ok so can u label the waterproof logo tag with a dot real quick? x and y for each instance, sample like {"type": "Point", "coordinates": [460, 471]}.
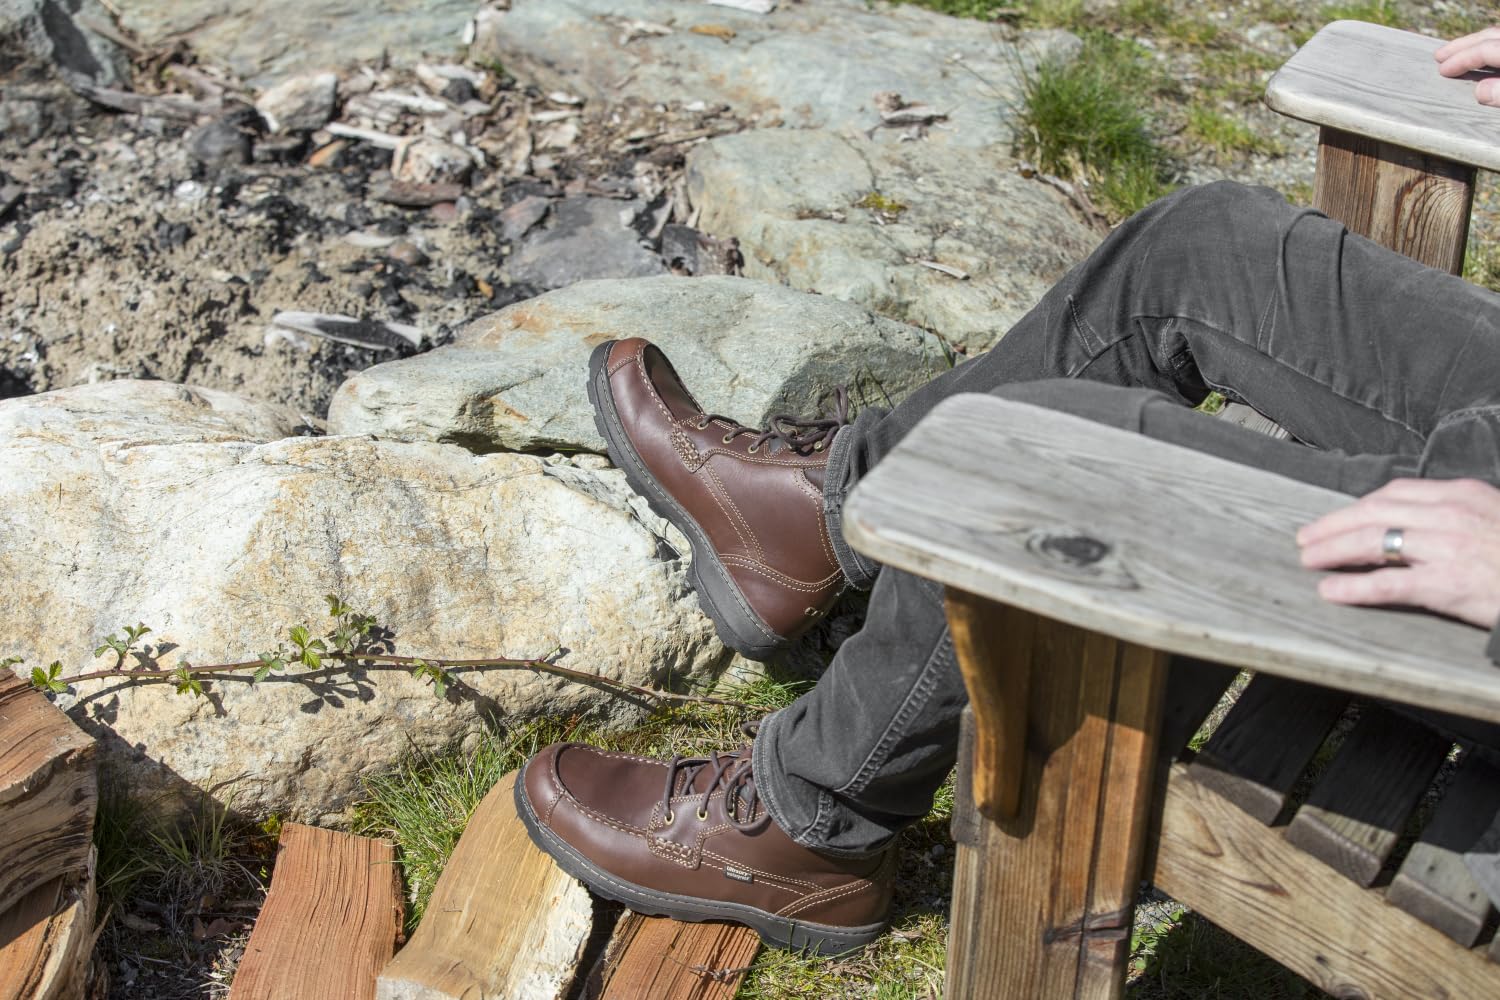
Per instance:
{"type": "Point", "coordinates": [738, 874]}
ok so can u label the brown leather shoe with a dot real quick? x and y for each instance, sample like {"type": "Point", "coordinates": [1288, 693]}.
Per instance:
{"type": "Point", "coordinates": [689, 839]}
{"type": "Point", "coordinates": [749, 501]}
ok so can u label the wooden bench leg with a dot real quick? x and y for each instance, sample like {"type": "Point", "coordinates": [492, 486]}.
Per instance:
{"type": "Point", "coordinates": [1408, 201]}
{"type": "Point", "coordinates": [1042, 898]}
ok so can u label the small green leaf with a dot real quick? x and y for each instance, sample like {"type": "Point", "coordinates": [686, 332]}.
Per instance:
{"type": "Point", "coordinates": [439, 682]}
{"type": "Point", "coordinates": [318, 644]}
{"type": "Point", "coordinates": [186, 683]}
{"type": "Point", "coordinates": [300, 636]}
{"type": "Point", "coordinates": [261, 673]}
{"type": "Point", "coordinates": [11, 661]}
{"type": "Point", "coordinates": [136, 631]}
{"type": "Point", "coordinates": [39, 679]}
{"type": "Point", "coordinates": [101, 650]}
{"type": "Point", "coordinates": [311, 660]}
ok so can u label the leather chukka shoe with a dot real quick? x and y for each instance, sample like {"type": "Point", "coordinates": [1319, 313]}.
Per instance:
{"type": "Point", "coordinates": [749, 501]}
{"type": "Point", "coordinates": [689, 839]}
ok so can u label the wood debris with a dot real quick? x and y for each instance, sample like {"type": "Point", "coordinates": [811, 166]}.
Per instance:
{"type": "Point", "coordinates": [947, 269]}
{"type": "Point", "coordinates": [720, 31]}
{"type": "Point", "coordinates": [753, 6]}
{"type": "Point", "coordinates": [374, 334]}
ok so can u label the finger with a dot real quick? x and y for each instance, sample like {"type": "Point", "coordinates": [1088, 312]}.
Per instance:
{"type": "Point", "coordinates": [1477, 56]}
{"type": "Point", "coordinates": [1399, 585]}
{"type": "Point", "coordinates": [1467, 40]}
{"type": "Point", "coordinates": [1382, 512]}
{"type": "Point", "coordinates": [1365, 546]}
{"type": "Point", "coordinates": [1488, 92]}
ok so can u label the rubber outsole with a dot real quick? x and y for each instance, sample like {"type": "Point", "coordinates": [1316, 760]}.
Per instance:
{"type": "Point", "coordinates": [739, 627]}
{"type": "Point", "coordinates": [777, 931]}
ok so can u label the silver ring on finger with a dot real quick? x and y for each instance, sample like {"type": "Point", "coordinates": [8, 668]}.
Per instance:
{"type": "Point", "coordinates": [1391, 547]}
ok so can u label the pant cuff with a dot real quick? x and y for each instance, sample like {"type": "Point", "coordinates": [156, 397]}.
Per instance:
{"type": "Point", "coordinates": [840, 479]}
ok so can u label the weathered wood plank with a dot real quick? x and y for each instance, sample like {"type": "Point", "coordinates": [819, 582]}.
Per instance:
{"type": "Point", "coordinates": [997, 695]}
{"type": "Point", "coordinates": [1414, 203]}
{"type": "Point", "coordinates": [1265, 743]}
{"type": "Point", "coordinates": [1395, 96]}
{"type": "Point", "coordinates": [1434, 885]}
{"type": "Point", "coordinates": [46, 940]}
{"type": "Point", "coordinates": [1246, 878]}
{"type": "Point", "coordinates": [1042, 900]}
{"type": "Point", "coordinates": [329, 923]}
{"type": "Point", "coordinates": [48, 792]}
{"type": "Point", "coordinates": [653, 958]}
{"type": "Point", "coordinates": [1021, 522]}
{"type": "Point", "coordinates": [504, 920]}
{"type": "Point", "coordinates": [1356, 812]}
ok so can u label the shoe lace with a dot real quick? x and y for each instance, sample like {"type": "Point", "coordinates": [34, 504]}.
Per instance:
{"type": "Point", "coordinates": [791, 432]}
{"type": "Point", "coordinates": [733, 772]}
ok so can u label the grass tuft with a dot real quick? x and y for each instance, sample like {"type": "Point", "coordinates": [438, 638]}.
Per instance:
{"type": "Point", "coordinates": [1079, 121]}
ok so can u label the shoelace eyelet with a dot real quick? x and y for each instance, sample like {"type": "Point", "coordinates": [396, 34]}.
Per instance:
{"type": "Point", "coordinates": [669, 817]}
{"type": "Point", "coordinates": [702, 815]}
{"type": "Point", "coordinates": [818, 446]}
{"type": "Point", "coordinates": [752, 449]}
{"type": "Point", "coordinates": [727, 439]}
{"type": "Point", "coordinates": [702, 425]}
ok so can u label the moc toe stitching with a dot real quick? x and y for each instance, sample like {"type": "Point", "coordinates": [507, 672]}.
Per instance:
{"type": "Point", "coordinates": [776, 576]}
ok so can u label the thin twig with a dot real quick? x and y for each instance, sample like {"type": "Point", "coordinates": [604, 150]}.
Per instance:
{"type": "Point", "coordinates": [536, 664]}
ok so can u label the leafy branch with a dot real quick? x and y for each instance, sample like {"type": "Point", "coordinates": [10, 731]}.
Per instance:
{"type": "Point", "coordinates": [354, 640]}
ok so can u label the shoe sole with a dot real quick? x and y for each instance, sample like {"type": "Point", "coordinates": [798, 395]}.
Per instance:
{"type": "Point", "coordinates": [776, 931]}
{"type": "Point", "coordinates": [739, 627]}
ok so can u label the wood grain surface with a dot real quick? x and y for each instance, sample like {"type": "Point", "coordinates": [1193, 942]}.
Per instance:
{"type": "Point", "coordinates": [330, 920]}
{"type": "Point", "coordinates": [1347, 940]}
{"type": "Point", "coordinates": [1042, 899]}
{"type": "Point", "coordinates": [1434, 884]}
{"type": "Point", "coordinates": [654, 958]}
{"type": "Point", "coordinates": [503, 921]}
{"type": "Point", "coordinates": [48, 792]}
{"type": "Point", "coordinates": [1186, 552]}
{"type": "Point", "coordinates": [1359, 807]}
{"type": "Point", "coordinates": [997, 687]}
{"type": "Point", "coordinates": [1383, 83]}
{"type": "Point", "coordinates": [46, 941]}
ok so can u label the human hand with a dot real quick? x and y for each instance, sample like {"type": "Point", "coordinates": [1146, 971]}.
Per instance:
{"type": "Point", "coordinates": [1481, 50]}
{"type": "Point", "coordinates": [1450, 550]}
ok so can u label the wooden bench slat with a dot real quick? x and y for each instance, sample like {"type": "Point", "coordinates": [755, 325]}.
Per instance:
{"type": "Point", "coordinates": [1023, 525]}
{"type": "Point", "coordinates": [1245, 877]}
{"type": "Point", "coordinates": [1433, 883]}
{"type": "Point", "coordinates": [48, 792]}
{"type": "Point", "coordinates": [46, 939]}
{"type": "Point", "coordinates": [1265, 743]}
{"type": "Point", "coordinates": [504, 920]}
{"type": "Point", "coordinates": [330, 920]}
{"type": "Point", "coordinates": [1396, 96]}
{"type": "Point", "coordinates": [1359, 807]}
{"type": "Point", "coordinates": [668, 960]}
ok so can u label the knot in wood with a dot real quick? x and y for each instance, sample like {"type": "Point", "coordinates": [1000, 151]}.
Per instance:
{"type": "Point", "coordinates": [1070, 549]}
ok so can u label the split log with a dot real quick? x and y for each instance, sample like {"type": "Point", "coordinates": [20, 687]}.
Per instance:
{"type": "Point", "coordinates": [48, 792]}
{"type": "Point", "coordinates": [668, 960]}
{"type": "Point", "coordinates": [46, 941]}
{"type": "Point", "coordinates": [504, 920]}
{"type": "Point", "coordinates": [330, 921]}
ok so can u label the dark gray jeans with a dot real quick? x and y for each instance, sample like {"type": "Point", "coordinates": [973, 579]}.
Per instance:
{"type": "Point", "coordinates": [1386, 367]}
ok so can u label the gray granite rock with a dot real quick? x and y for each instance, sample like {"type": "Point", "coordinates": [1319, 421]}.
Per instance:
{"type": "Point", "coordinates": [58, 33]}
{"type": "Point", "coordinates": [265, 41]}
{"type": "Point", "coordinates": [747, 349]}
{"type": "Point", "coordinates": [849, 217]}
{"type": "Point", "coordinates": [188, 510]}
{"type": "Point", "coordinates": [812, 63]}
{"type": "Point", "coordinates": [587, 238]}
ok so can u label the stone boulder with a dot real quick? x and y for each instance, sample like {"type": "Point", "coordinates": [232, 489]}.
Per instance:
{"type": "Point", "coordinates": [516, 380]}
{"type": "Point", "coordinates": [266, 40]}
{"type": "Point", "coordinates": [810, 63]}
{"type": "Point", "coordinates": [587, 239]}
{"type": "Point", "coordinates": [57, 33]}
{"type": "Point", "coordinates": [853, 218]}
{"type": "Point", "coordinates": [185, 513]}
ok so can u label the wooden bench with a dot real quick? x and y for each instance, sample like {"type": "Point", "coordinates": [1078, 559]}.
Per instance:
{"type": "Point", "coordinates": [1075, 776]}
{"type": "Point", "coordinates": [1075, 780]}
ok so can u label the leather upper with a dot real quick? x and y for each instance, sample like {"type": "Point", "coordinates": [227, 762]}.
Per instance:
{"type": "Point", "coordinates": [760, 506]}
{"type": "Point", "coordinates": [608, 807]}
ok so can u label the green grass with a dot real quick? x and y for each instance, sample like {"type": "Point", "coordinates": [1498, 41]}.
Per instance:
{"type": "Point", "coordinates": [1226, 135]}
{"type": "Point", "coordinates": [1375, 11]}
{"type": "Point", "coordinates": [1079, 120]}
